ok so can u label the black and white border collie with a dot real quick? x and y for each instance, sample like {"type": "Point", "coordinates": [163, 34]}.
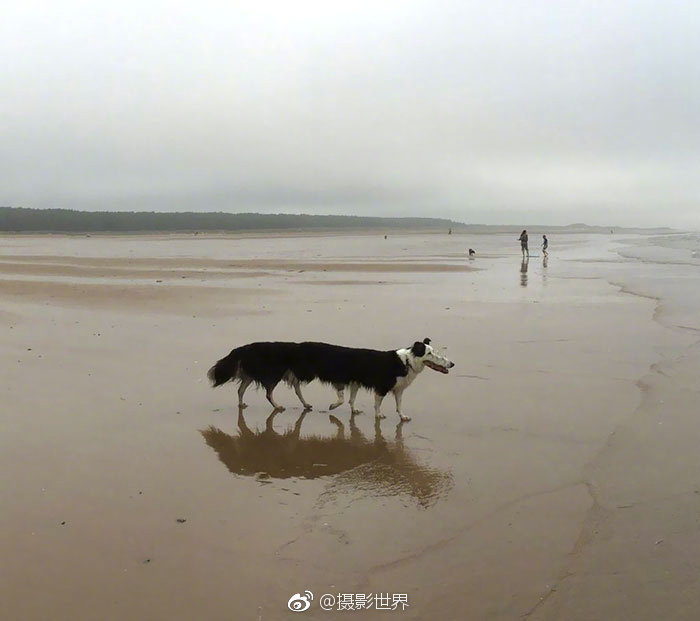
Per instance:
{"type": "Point", "coordinates": [267, 364]}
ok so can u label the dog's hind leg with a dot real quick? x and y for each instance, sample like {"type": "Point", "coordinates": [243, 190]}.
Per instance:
{"type": "Point", "coordinates": [270, 398]}
{"type": "Point", "coordinates": [353, 393]}
{"type": "Point", "coordinates": [245, 382]}
{"type": "Point", "coordinates": [377, 405]}
{"type": "Point", "coordinates": [341, 397]}
{"type": "Point", "coordinates": [297, 389]}
{"type": "Point", "coordinates": [397, 396]}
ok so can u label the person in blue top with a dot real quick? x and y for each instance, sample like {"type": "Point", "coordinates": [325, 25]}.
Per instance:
{"type": "Point", "coordinates": [545, 245]}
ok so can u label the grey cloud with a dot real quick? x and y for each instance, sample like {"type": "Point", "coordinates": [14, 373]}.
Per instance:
{"type": "Point", "coordinates": [479, 111]}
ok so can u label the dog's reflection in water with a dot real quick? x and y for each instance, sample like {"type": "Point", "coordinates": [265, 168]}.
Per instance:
{"type": "Point", "coordinates": [376, 467]}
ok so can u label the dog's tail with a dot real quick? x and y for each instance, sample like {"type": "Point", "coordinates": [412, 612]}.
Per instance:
{"type": "Point", "coordinates": [224, 370]}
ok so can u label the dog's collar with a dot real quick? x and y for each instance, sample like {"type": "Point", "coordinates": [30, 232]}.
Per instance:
{"type": "Point", "coordinates": [407, 362]}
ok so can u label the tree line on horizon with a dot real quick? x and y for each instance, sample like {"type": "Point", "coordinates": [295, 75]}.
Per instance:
{"type": "Point", "coordinates": [29, 220]}
{"type": "Point", "coordinates": [23, 219]}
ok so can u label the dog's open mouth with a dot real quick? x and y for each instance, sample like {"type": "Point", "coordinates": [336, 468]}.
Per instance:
{"type": "Point", "coordinates": [436, 367]}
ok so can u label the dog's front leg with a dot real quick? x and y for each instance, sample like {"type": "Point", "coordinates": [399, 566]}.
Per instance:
{"type": "Point", "coordinates": [339, 400]}
{"type": "Point", "coordinates": [353, 393]}
{"type": "Point", "coordinates": [297, 389]}
{"type": "Point", "coordinates": [271, 399]}
{"type": "Point", "coordinates": [378, 404]}
{"type": "Point", "coordinates": [397, 396]}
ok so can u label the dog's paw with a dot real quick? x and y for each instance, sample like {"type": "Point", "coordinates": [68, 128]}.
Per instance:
{"type": "Point", "coordinates": [308, 407]}
{"type": "Point", "coordinates": [243, 406]}
{"type": "Point", "coordinates": [404, 418]}
{"type": "Point", "coordinates": [332, 406]}
{"type": "Point", "coordinates": [379, 416]}
{"type": "Point", "coordinates": [354, 412]}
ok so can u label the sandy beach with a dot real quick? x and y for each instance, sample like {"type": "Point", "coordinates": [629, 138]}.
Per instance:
{"type": "Point", "coordinates": [553, 474]}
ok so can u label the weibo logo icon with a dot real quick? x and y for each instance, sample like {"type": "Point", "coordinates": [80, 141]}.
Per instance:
{"type": "Point", "coordinates": [299, 602]}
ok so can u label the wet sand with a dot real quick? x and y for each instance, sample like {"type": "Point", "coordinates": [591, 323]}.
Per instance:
{"type": "Point", "coordinates": [550, 475]}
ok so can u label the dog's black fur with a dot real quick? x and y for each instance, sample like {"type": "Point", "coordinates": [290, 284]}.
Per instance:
{"type": "Point", "coordinates": [268, 363]}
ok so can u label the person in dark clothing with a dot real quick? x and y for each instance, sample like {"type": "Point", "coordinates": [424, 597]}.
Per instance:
{"type": "Point", "coordinates": [545, 245]}
{"type": "Point", "coordinates": [523, 243]}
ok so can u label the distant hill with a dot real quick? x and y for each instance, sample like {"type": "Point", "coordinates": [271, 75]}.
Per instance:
{"type": "Point", "coordinates": [25, 220]}
{"type": "Point", "coordinates": [20, 219]}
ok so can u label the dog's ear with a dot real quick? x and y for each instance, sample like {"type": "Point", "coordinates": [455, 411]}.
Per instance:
{"type": "Point", "coordinates": [426, 340]}
{"type": "Point", "coordinates": [418, 349]}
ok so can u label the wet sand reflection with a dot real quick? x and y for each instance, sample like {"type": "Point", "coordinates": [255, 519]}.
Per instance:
{"type": "Point", "coordinates": [523, 271]}
{"type": "Point", "coordinates": [375, 466]}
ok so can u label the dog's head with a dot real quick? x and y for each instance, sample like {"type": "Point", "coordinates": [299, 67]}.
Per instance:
{"type": "Point", "coordinates": [424, 355]}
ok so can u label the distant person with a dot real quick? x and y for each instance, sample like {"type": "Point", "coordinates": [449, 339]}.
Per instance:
{"type": "Point", "coordinates": [472, 252]}
{"type": "Point", "coordinates": [545, 245]}
{"type": "Point", "coordinates": [523, 243]}
{"type": "Point", "coordinates": [449, 232]}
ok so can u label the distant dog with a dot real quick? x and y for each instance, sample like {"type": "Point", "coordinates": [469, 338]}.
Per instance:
{"type": "Point", "coordinates": [472, 252]}
{"type": "Point", "coordinates": [267, 364]}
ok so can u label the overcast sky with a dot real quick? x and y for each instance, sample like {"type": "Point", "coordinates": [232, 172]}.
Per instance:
{"type": "Point", "coordinates": [490, 111]}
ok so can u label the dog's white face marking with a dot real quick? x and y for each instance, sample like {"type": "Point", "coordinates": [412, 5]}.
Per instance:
{"type": "Point", "coordinates": [435, 361]}
{"type": "Point", "coordinates": [430, 359]}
